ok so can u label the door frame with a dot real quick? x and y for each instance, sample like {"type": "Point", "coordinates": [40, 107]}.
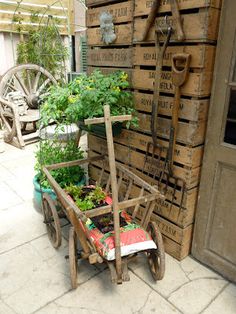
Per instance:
{"type": "Point", "coordinates": [225, 51]}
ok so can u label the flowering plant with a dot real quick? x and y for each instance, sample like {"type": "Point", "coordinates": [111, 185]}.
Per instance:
{"type": "Point", "coordinates": [85, 97]}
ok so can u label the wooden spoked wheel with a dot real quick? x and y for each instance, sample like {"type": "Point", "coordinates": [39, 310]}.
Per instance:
{"type": "Point", "coordinates": [73, 257]}
{"type": "Point", "coordinates": [51, 220]}
{"type": "Point", "coordinates": [31, 80]}
{"type": "Point", "coordinates": [156, 257]}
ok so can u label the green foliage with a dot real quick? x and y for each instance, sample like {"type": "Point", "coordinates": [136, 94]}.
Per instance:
{"type": "Point", "coordinates": [51, 152]}
{"type": "Point", "coordinates": [85, 97]}
{"type": "Point", "coordinates": [43, 46]}
{"type": "Point", "coordinates": [86, 200]}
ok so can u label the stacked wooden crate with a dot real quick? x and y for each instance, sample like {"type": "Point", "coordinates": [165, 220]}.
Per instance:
{"type": "Point", "coordinates": [200, 22]}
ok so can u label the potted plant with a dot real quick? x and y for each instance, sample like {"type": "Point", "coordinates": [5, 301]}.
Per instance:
{"type": "Point", "coordinates": [50, 152]}
{"type": "Point", "coordinates": [85, 97]}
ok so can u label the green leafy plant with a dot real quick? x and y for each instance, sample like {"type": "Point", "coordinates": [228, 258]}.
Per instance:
{"type": "Point", "coordinates": [51, 152]}
{"type": "Point", "coordinates": [85, 197]}
{"type": "Point", "coordinates": [85, 97]}
{"type": "Point", "coordinates": [43, 46]}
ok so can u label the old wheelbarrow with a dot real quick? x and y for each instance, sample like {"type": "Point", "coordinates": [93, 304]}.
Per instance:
{"type": "Point", "coordinates": [130, 200]}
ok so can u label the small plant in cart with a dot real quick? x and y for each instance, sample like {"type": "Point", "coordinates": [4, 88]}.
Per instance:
{"type": "Point", "coordinates": [86, 197]}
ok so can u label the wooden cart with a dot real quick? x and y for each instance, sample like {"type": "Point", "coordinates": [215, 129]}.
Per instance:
{"type": "Point", "coordinates": [113, 177]}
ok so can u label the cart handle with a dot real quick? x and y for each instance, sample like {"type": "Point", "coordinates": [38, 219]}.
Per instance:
{"type": "Point", "coordinates": [127, 117]}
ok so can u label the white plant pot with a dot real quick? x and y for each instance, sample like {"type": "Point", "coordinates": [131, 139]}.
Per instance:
{"type": "Point", "coordinates": [2, 143]}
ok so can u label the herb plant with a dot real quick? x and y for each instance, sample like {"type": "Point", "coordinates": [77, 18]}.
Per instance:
{"type": "Point", "coordinates": [51, 152]}
{"type": "Point", "coordinates": [85, 97]}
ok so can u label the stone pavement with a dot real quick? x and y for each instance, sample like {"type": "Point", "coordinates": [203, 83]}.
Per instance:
{"type": "Point", "coordinates": [34, 277]}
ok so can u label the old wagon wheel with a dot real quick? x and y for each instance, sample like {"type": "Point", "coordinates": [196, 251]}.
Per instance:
{"type": "Point", "coordinates": [156, 257]}
{"type": "Point", "coordinates": [73, 257]}
{"type": "Point", "coordinates": [51, 220]}
{"type": "Point", "coordinates": [29, 79]}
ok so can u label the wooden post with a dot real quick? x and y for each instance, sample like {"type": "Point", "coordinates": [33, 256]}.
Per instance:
{"type": "Point", "coordinates": [112, 165]}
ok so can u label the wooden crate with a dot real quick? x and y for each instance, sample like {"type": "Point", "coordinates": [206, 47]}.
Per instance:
{"type": "Point", "coordinates": [143, 7]}
{"type": "Point", "coordinates": [190, 133]}
{"type": "Point", "coordinates": [197, 85]}
{"type": "Point", "coordinates": [194, 110]}
{"type": "Point", "coordinates": [110, 57]}
{"type": "Point", "coordinates": [198, 27]}
{"type": "Point", "coordinates": [202, 56]}
{"type": "Point", "coordinates": [186, 155]}
{"type": "Point", "coordinates": [121, 12]}
{"type": "Point", "coordinates": [123, 33]}
{"type": "Point", "coordinates": [136, 159]}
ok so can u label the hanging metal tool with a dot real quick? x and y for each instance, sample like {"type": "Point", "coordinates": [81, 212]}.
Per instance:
{"type": "Point", "coordinates": [153, 147]}
{"type": "Point", "coordinates": [180, 70]}
{"type": "Point", "coordinates": [151, 18]}
{"type": "Point", "coordinates": [163, 170]}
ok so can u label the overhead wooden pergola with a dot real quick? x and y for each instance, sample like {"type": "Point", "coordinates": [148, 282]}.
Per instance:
{"type": "Point", "coordinates": [15, 14]}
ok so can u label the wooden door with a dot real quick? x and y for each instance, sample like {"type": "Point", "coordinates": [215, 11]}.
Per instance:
{"type": "Point", "coordinates": [214, 241]}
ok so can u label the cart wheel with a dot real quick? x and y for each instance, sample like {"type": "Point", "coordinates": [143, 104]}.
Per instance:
{"type": "Point", "coordinates": [73, 257]}
{"type": "Point", "coordinates": [51, 220]}
{"type": "Point", "coordinates": [156, 258]}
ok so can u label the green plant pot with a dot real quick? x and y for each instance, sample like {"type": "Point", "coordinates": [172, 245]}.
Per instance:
{"type": "Point", "coordinates": [100, 129]}
{"type": "Point", "coordinates": [38, 191]}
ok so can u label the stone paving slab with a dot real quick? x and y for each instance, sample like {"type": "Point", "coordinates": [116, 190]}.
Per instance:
{"type": "Point", "coordinates": [40, 275]}
{"type": "Point", "coordinates": [99, 295]}
{"type": "Point", "coordinates": [8, 197]}
{"type": "Point", "coordinates": [5, 309]}
{"type": "Point", "coordinates": [195, 296]}
{"type": "Point", "coordinates": [225, 303]}
{"type": "Point", "coordinates": [18, 225]}
{"type": "Point", "coordinates": [174, 275]}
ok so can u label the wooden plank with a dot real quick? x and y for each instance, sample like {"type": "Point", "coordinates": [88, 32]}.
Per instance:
{"type": "Point", "coordinates": [14, 28]}
{"type": "Point", "coordinates": [185, 155]}
{"type": "Point", "coordinates": [202, 56]}
{"type": "Point", "coordinates": [129, 156]}
{"type": "Point", "coordinates": [90, 3]}
{"type": "Point", "coordinates": [110, 57]}
{"type": "Point", "coordinates": [172, 231]}
{"type": "Point", "coordinates": [197, 85]}
{"type": "Point", "coordinates": [28, 8]}
{"type": "Point", "coordinates": [190, 109]}
{"type": "Point", "coordinates": [121, 12]}
{"type": "Point", "coordinates": [192, 133]}
{"type": "Point", "coordinates": [123, 33]}
{"type": "Point", "coordinates": [143, 7]}
{"type": "Point", "coordinates": [198, 27]}
{"type": "Point", "coordinates": [178, 251]}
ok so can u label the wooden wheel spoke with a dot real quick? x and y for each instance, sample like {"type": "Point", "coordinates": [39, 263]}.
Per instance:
{"type": "Point", "coordinates": [29, 81]}
{"type": "Point", "coordinates": [22, 84]}
{"type": "Point", "coordinates": [36, 82]}
{"type": "Point", "coordinates": [41, 88]}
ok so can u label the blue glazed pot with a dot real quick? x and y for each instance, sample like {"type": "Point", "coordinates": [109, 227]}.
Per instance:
{"type": "Point", "coordinates": [38, 191]}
